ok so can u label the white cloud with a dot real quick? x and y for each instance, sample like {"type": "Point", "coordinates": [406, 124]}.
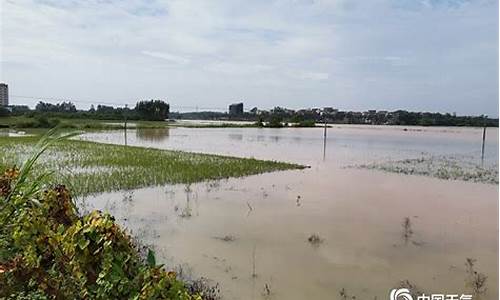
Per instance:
{"type": "Point", "coordinates": [167, 56]}
{"type": "Point", "coordinates": [237, 69]}
{"type": "Point", "coordinates": [313, 75]}
{"type": "Point", "coordinates": [372, 54]}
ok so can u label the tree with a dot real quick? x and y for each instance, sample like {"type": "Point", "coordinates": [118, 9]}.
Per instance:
{"type": "Point", "coordinates": [4, 112]}
{"type": "Point", "coordinates": [67, 107]}
{"type": "Point", "coordinates": [276, 121]}
{"type": "Point", "coordinates": [17, 110]}
{"type": "Point", "coordinates": [153, 110]}
{"type": "Point", "coordinates": [260, 122]}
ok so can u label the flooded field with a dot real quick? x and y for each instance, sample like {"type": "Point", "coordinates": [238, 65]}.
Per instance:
{"type": "Point", "coordinates": [333, 231]}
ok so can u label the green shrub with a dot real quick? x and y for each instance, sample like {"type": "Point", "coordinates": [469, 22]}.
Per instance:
{"type": "Point", "coordinates": [26, 124]}
{"type": "Point", "coordinates": [276, 122]}
{"type": "Point", "coordinates": [306, 123]}
{"type": "Point", "coordinates": [49, 250]}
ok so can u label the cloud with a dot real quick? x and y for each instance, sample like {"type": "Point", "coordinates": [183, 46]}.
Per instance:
{"type": "Point", "coordinates": [434, 55]}
{"type": "Point", "coordinates": [168, 57]}
{"type": "Point", "coordinates": [237, 69]}
{"type": "Point", "coordinates": [313, 75]}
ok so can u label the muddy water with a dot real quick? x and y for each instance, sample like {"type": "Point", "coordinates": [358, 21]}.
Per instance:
{"type": "Point", "coordinates": [357, 214]}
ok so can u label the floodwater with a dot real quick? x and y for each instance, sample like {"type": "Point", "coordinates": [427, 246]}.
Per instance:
{"type": "Point", "coordinates": [251, 234]}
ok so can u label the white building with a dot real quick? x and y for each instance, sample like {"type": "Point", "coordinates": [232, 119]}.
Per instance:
{"type": "Point", "coordinates": [4, 94]}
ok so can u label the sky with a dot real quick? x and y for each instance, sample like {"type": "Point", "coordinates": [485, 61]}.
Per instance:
{"type": "Point", "coordinates": [419, 55]}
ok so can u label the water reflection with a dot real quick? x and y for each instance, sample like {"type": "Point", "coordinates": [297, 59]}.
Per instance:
{"type": "Point", "coordinates": [152, 135]}
{"type": "Point", "coordinates": [274, 138]}
{"type": "Point", "coordinates": [346, 145]}
{"type": "Point", "coordinates": [237, 137]}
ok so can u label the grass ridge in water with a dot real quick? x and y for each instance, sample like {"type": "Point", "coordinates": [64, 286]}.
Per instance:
{"type": "Point", "coordinates": [90, 167]}
{"type": "Point", "coordinates": [442, 167]}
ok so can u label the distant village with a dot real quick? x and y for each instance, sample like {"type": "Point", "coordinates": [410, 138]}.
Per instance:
{"type": "Point", "coordinates": [276, 117]}
{"type": "Point", "coordinates": [333, 115]}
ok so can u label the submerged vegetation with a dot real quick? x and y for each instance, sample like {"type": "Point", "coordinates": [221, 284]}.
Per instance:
{"type": "Point", "coordinates": [89, 167]}
{"type": "Point", "coordinates": [314, 239]}
{"type": "Point", "coordinates": [49, 251]}
{"type": "Point", "coordinates": [440, 167]}
{"type": "Point", "coordinates": [475, 280]}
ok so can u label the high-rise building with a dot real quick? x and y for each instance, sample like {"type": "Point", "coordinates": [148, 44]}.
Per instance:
{"type": "Point", "coordinates": [4, 94]}
{"type": "Point", "coordinates": [236, 109]}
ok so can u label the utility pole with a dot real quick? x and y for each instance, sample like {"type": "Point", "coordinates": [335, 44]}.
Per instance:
{"type": "Point", "coordinates": [324, 137]}
{"type": "Point", "coordinates": [324, 134]}
{"type": "Point", "coordinates": [125, 126]}
{"type": "Point", "coordinates": [482, 146]}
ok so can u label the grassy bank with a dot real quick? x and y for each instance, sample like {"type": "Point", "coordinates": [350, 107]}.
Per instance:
{"type": "Point", "coordinates": [24, 122]}
{"type": "Point", "coordinates": [88, 167]}
{"type": "Point", "coordinates": [41, 122]}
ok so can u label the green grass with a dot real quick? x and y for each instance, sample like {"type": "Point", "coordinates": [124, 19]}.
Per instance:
{"type": "Point", "coordinates": [24, 122]}
{"type": "Point", "coordinates": [89, 167]}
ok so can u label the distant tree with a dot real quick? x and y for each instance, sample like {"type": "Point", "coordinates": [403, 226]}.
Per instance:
{"type": "Point", "coordinates": [259, 122]}
{"type": "Point", "coordinates": [19, 109]}
{"type": "Point", "coordinates": [276, 121]}
{"type": "Point", "coordinates": [44, 107]}
{"type": "Point", "coordinates": [66, 107]}
{"type": "Point", "coordinates": [105, 109]}
{"type": "Point", "coordinates": [4, 112]}
{"type": "Point", "coordinates": [153, 110]}
{"type": "Point", "coordinates": [297, 118]}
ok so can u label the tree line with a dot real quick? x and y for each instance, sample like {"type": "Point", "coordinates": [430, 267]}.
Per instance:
{"type": "Point", "coordinates": [278, 117]}
{"type": "Point", "coordinates": [157, 110]}
{"type": "Point", "coordinates": [152, 110]}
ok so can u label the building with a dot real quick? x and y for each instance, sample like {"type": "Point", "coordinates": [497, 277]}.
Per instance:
{"type": "Point", "coordinates": [236, 109]}
{"type": "Point", "coordinates": [330, 110]}
{"type": "Point", "coordinates": [254, 111]}
{"type": "Point", "coordinates": [4, 94]}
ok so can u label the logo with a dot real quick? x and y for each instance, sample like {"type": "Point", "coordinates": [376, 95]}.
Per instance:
{"type": "Point", "coordinates": [404, 294]}
{"type": "Point", "coordinates": [400, 294]}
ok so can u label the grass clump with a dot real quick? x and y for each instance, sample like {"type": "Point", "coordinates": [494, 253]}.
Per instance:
{"type": "Point", "coordinates": [49, 251]}
{"type": "Point", "coordinates": [448, 168]}
{"type": "Point", "coordinates": [89, 167]}
{"type": "Point", "coordinates": [314, 239]}
{"type": "Point", "coordinates": [475, 279]}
